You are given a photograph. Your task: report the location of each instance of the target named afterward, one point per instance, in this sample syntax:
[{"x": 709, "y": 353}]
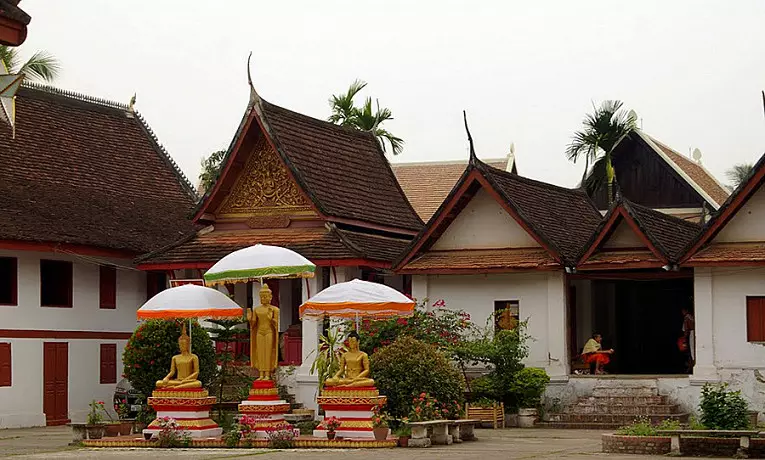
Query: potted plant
[
  {"x": 527, "y": 387},
  {"x": 95, "y": 420},
  {"x": 143, "y": 419},
  {"x": 123, "y": 412},
  {"x": 404, "y": 432},
  {"x": 330, "y": 424},
  {"x": 380, "y": 424}
]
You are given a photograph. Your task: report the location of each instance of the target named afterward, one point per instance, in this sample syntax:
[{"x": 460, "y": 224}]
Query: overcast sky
[{"x": 525, "y": 71}]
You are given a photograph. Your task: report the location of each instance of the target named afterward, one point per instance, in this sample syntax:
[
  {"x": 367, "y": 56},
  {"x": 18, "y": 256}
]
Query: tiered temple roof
[{"x": 89, "y": 172}]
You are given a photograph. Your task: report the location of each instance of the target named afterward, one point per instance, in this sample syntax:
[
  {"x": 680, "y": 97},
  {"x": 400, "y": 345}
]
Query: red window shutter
[
  {"x": 108, "y": 363},
  {"x": 5, "y": 364},
  {"x": 755, "y": 319},
  {"x": 108, "y": 287}
]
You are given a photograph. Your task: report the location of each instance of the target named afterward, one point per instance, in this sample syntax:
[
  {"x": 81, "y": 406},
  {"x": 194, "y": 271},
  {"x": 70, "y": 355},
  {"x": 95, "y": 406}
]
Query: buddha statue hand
[{"x": 349, "y": 383}]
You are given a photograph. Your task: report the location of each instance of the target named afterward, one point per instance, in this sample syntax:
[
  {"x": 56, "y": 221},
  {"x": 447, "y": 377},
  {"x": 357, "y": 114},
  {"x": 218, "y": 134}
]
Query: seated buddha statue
[
  {"x": 184, "y": 368},
  {"x": 354, "y": 367}
]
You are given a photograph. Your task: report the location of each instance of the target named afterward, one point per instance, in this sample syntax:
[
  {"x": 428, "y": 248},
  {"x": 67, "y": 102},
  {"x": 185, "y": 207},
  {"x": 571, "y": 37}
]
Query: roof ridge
[
  {"x": 75, "y": 95},
  {"x": 508, "y": 174},
  {"x": 188, "y": 186},
  {"x": 325, "y": 122},
  {"x": 660, "y": 214},
  {"x": 442, "y": 162}
]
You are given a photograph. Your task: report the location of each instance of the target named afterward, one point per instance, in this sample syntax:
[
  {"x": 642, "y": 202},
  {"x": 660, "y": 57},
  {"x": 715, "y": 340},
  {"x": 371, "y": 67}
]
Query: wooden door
[{"x": 56, "y": 382}]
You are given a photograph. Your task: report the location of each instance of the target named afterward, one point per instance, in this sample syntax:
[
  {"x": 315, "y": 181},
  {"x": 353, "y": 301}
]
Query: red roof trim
[
  {"x": 15, "y": 245},
  {"x": 475, "y": 271},
  {"x": 12, "y": 33},
  {"x": 148, "y": 266},
  {"x": 626, "y": 266},
  {"x": 619, "y": 214},
  {"x": 729, "y": 210}
]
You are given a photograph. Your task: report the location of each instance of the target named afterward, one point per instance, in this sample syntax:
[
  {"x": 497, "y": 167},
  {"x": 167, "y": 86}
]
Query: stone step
[
  {"x": 624, "y": 400},
  {"x": 615, "y": 419},
  {"x": 578, "y": 426},
  {"x": 625, "y": 391},
  {"x": 642, "y": 409},
  {"x": 627, "y": 383}
]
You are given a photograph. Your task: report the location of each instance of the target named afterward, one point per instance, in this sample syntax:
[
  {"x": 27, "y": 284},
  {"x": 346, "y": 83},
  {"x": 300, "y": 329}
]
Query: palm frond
[
  {"x": 739, "y": 173},
  {"x": 597, "y": 179},
  {"x": 41, "y": 66},
  {"x": 9, "y": 56},
  {"x": 396, "y": 143},
  {"x": 343, "y": 109}
]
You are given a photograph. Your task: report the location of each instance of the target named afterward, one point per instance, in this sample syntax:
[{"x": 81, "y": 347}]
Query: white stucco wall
[
  {"x": 623, "y": 236},
  {"x": 541, "y": 302},
  {"x": 484, "y": 224},
  {"x": 749, "y": 222},
  {"x": 22, "y": 404}
]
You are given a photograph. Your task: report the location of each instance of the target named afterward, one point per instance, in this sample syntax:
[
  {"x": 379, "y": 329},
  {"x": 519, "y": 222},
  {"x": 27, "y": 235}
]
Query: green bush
[
  {"x": 409, "y": 367},
  {"x": 722, "y": 409},
  {"x": 485, "y": 388},
  {"x": 641, "y": 427},
  {"x": 150, "y": 349},
  {"x": 306, "y": 427},
  {"x": 525, "y": 388}
]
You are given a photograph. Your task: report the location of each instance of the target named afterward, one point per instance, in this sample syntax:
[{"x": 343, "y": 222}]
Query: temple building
[
  {"x": 322, "y": 190},
  {"x": 86, "y": 188}
]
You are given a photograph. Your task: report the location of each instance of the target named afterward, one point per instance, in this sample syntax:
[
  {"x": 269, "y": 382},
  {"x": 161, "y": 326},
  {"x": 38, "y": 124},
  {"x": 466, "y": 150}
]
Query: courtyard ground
[{"x": 51, "y": 443}]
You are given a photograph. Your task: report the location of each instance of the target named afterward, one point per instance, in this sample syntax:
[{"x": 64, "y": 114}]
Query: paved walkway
[{"x": 51, "y": 443}]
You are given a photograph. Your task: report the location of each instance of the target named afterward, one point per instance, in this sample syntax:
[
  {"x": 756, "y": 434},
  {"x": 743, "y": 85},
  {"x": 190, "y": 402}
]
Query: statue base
[
  {"x": 353, "y": 407},
  {"x": 190, "y": 408},
  {"x": 264, "y": 404}
]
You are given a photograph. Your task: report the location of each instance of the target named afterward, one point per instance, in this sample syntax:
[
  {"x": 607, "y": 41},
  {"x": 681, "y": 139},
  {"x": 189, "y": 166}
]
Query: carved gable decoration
[{"x": 264, "y": 188}]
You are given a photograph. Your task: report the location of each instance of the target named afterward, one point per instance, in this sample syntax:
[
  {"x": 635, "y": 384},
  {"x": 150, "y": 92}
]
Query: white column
[
  {"x": 420, "y": 287},
  {"x": 705, "y": 369},
  {"x": 557, "y": 343},
  {"x": 306, "y": 382}
]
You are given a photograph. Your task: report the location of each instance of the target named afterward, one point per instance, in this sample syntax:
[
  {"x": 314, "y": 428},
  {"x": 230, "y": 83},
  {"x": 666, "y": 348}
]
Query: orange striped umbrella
[{"x": 354, "y": 299}]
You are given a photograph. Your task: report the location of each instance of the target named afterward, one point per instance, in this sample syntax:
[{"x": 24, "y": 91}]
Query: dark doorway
[
  {"x": 56, "y": 382},
  {"x": 641, "y": 320}
]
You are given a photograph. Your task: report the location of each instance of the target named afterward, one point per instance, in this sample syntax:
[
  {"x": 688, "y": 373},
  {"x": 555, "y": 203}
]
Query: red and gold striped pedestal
[
  {"x": 354, "y": 407},
  {"x": 189, "y": 407},
  {"x": 264, "y": 403}
]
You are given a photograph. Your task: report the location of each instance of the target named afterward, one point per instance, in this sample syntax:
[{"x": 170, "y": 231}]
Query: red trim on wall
[
  {"x": 64, "y": 248},
  {"x": 53, "y": 334}
]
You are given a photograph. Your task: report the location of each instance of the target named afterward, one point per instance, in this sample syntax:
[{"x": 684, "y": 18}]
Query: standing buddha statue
[{"x": 264, "y": 335}]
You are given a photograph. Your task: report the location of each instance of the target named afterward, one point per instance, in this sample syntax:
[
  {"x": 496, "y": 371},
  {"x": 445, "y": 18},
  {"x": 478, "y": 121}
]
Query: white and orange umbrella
[
  {"x": 190, "y": 301},
  {"x": 358, "y": 299}
]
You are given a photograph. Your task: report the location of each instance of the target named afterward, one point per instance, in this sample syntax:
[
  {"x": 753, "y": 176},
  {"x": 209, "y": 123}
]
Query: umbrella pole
[
  {"x": 190, "y": 336},
  {"x": 357, "y": 322}
]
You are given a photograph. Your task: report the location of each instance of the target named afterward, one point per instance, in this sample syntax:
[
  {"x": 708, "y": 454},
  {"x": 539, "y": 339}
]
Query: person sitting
[{"x": 594, "y": 355}]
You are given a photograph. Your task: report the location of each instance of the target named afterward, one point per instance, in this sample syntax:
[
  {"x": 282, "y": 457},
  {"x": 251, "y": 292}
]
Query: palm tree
[
  {"x": 364, "y": 118},
  {"x": 603, "y": 129},
  {"x": 42, "y": 66},
  {"x": 739, "y": 173}
]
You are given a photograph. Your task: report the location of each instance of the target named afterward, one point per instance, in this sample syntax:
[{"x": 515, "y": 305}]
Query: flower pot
[
  {"x": 95, "y": 431},
  {"x": 126, "y": 427},
  {"x": 112, "y": 430},
  {"x": 331, "y": 435},
  {"x": 527, "y": 418},
  {"x": 403, "y": 441},
  {"x": 381, "y": 433}
]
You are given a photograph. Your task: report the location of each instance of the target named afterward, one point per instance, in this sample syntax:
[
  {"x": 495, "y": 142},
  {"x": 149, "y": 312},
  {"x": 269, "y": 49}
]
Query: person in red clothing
[{"x": 594, "y": 355}]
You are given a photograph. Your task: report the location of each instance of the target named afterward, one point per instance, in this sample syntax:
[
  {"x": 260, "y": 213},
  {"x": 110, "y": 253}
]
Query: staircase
[{"x": 616, "y": 403}]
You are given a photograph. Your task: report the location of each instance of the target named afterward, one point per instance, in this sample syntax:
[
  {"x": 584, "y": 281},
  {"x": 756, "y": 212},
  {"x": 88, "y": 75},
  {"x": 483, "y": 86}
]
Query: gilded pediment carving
[{"x": 264, "y": 187}]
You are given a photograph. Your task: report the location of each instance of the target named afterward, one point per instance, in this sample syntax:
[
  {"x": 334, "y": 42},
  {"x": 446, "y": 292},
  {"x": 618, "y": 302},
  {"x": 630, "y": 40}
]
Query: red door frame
[{"x": 56, "y": 383}]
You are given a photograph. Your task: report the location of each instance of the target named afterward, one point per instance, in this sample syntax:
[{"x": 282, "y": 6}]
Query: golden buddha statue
[
  {"x": 354, "y": 367},
  {"x": 264, "y": 335},
  {"x": 184, "y": 368}
]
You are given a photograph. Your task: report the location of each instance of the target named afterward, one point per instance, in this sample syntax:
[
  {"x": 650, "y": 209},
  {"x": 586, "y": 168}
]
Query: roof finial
[
  {"x": 253, "y": 93},
  {"x": 131, "y": 104},
  {"x": 473, "y": 158}
]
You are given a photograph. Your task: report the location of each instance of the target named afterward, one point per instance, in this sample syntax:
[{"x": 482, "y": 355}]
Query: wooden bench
[
  {"x": 744, "y": 437},
  {"x": 494, "y": 415},
  {"x": 463, "y": 430}
]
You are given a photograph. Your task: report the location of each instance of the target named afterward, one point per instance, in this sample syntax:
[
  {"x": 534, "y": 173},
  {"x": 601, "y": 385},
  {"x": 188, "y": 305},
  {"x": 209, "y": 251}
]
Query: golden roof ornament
[{"x": 9, "y": 84}]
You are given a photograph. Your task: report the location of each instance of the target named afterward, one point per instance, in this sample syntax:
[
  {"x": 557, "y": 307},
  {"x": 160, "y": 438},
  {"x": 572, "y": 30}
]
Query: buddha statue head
[
  {"x": 353, "y": 341},
  {"x": 265, "y": 295},
  {"x": 184, "y": 341}
]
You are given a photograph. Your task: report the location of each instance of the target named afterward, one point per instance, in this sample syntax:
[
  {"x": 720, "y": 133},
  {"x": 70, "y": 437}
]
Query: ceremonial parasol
[
  {"x": 189, "y": 301},
  {"x": 258, "y": 262},
  {"x": 354, "y": 299}
]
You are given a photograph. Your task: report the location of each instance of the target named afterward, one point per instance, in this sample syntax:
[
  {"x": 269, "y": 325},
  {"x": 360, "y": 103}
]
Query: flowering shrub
[
  {"x": 242, "y": 430},
  {"x": 151, "y": 347},
  {"x": 330, "y": 424},
  {"x": 122, "y": 409},
  {"x": 95, "y": 416},
  {"x": 410, "y": 367},
  {"x": 440, "y": 327},
  {"x": 280, "y": 436},
  {"x": 379, "y": 418},
  {"x": 425, "y": 407},
  {"x": 171, "y": 434}
]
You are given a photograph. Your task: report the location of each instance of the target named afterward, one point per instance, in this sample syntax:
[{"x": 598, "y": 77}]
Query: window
[
  {"x": 107, "y": 287},
  {"x": 156, "y": 282},
  {"x": 108, "y": 363},
  {"x": 755, "y": 319},
  {"x": 5, "y": 364},
  {"x": 506, "y": 314},
  {"x": 56, "y": 283},
  {"x": 8, "y": 281}
]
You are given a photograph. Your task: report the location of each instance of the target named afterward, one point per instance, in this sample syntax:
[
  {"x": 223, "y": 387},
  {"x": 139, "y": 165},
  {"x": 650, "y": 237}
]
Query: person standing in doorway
[{"x": 689, "y": 332}]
